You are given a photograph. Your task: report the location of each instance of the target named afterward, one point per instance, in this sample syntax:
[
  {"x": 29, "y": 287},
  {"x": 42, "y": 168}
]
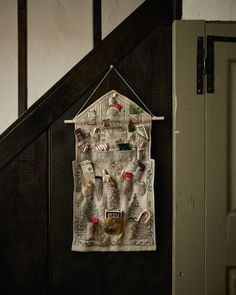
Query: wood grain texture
[
  {"x": 83, "y": 76},
  {"x": 23, "y": 220}
]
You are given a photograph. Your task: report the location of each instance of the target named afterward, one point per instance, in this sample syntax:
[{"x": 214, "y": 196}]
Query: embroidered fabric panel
[{"x": 113, "y": 177}]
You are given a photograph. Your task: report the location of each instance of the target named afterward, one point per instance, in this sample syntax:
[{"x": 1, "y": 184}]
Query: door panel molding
[{"x": 204, "y": 161}]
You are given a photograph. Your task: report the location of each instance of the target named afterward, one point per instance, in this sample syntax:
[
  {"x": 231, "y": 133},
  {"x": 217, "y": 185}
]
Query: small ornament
[
  {"x": 141, "y": 154},
  {"x": 118, "y": 106},
  {"x": 134, "y": 229},
  {"x": 92, "y": 117},
  {"x": 139, "y": 171},
  {"x": 124, "y": 146},
  {"x": 113, "y": 111},
  {"x": 92, "y": 227},
  {"x": 141, "y": 130},
  {"x": 131, "y": 126},
  {"x": 87, "y": 189},
  {"x": 102, "y": 147},
  {"x": 128, "y": 184},
  {"x": 79, "y": 134},
  {"x": 134, "y": 110},
  {"x": 106, "y": 123},
  {"x": 113, "y": 222},
  {"x": 86, "y": 166},
  {"x": 94, "y": 220}
]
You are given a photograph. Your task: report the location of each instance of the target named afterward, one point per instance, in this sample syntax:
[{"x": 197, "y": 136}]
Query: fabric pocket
[{"x": 114, "y": 156}]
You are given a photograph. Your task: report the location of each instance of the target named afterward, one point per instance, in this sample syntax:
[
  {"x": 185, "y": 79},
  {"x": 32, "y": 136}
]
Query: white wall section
[
  {"x": 209, "y": 9},
  {"x": 59, "y": 35},
  {"x": 115, "y": 11},
  {"x": 8, "y": 63}
]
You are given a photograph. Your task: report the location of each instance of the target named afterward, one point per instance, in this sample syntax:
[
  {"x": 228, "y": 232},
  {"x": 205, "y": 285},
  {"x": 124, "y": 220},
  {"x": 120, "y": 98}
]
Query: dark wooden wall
[
  {"x": 24, "y": 221},
  {"x": 118, "y": 273},
  {"x": 37, "y": 186}
]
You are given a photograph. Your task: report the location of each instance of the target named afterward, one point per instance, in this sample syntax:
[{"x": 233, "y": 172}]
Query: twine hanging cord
[{"x": 113, "y": 68}]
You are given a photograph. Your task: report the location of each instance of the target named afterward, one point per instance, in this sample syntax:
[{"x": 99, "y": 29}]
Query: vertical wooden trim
[
  {"x": 97, "y": 22},
  {"x": 177, "y": 9},
  {"x": 22, "y": 56},
  {"x": 49, "y": 234},
  {"x": 188, "y": 163}
]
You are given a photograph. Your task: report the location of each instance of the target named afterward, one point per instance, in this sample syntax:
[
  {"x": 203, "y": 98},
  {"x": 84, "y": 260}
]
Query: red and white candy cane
[
  {"x": 102, "y": 147},
  {"x": 144, "y": 212},
  {"x": 134, "y": 229}
]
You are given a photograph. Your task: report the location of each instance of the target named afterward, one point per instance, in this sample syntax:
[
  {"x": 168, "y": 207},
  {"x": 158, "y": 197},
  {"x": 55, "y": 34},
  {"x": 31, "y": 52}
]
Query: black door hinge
[
  {"x": 205, "y": 64},
  {"x": 201, "y": 64}
]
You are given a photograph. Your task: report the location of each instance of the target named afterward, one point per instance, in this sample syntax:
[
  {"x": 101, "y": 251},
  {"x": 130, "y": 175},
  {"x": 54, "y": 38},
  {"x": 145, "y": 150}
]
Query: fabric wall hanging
[{"x": 113, "y": 177}]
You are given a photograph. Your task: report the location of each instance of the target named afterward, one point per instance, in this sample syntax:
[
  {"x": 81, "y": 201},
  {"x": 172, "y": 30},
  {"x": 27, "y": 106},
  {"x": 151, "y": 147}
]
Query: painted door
[
  {"x": 220, "y": 165},
  {"x": 204, "y": 208}
]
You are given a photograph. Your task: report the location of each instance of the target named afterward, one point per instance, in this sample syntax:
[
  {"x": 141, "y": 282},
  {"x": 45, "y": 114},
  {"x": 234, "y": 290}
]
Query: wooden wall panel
[
  {"x": 148, "y": 69},
  {"x": 23, "y": 221}
]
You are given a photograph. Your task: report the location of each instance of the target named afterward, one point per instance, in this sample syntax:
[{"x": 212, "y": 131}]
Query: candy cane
[
  {"x": 101, "y": 147},
  {"x": 142, "y": 213}
]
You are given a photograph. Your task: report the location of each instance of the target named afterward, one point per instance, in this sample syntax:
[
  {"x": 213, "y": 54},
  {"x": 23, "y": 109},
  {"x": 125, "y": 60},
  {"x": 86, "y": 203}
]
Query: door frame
[
  {"x": 192, "y": 192},
  {"x": 188, "y": 267}
]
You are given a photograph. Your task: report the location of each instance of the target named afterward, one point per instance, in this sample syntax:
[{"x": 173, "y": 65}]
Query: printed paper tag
[{"x": 113, "y": 213}]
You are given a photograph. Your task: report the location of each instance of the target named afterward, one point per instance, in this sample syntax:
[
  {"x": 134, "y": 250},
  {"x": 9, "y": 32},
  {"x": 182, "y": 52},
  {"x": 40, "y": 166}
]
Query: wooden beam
[
  {"x": 97, "y": 22},
  {"x": 22, "y": 56}
]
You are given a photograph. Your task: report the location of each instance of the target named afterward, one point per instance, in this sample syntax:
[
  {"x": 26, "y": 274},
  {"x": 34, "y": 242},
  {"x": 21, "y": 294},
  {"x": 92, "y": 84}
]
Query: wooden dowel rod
[{"x": 155, "y": 118}]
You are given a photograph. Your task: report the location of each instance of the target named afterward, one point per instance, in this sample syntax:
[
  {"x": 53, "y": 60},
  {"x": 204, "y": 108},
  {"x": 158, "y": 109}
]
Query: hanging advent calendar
[{"x": 113, "y": 177}]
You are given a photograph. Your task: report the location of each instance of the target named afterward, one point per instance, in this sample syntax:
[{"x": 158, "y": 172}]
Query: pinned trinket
[
  {"x": 83, "y": 146},
  {"x": 96, "y": 134},
  {"x": 141, "y": 130},
  {"x": 91, "y": 117},
  {"x": 128, "y": 184},
  {"x": 141, "y": 153},
  {"x": 102, "y": 147},
  {"x": 106, "y": 123},
  {"x": 92, "y": 228},
  {"x": 86, "y": 166},
  {"x": 113, "y": 111},
  {"x": 128, "y": 175},
  {"x": 134, "y": 110},
  {"x": 139, "y": 170},
  {"x": 131, "y": 126},
  {"x": 118, "y": 106},
  {"x": 124, "y": 146},
  {"x": 112, "y": 99},
  {"x": 79, "y": 134},
  {"x": 87, "y": 189},
  {"x": 113, "y": 223},
  {"x": 135, "y": 227},
  {"x": 94, "y": 220}
]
